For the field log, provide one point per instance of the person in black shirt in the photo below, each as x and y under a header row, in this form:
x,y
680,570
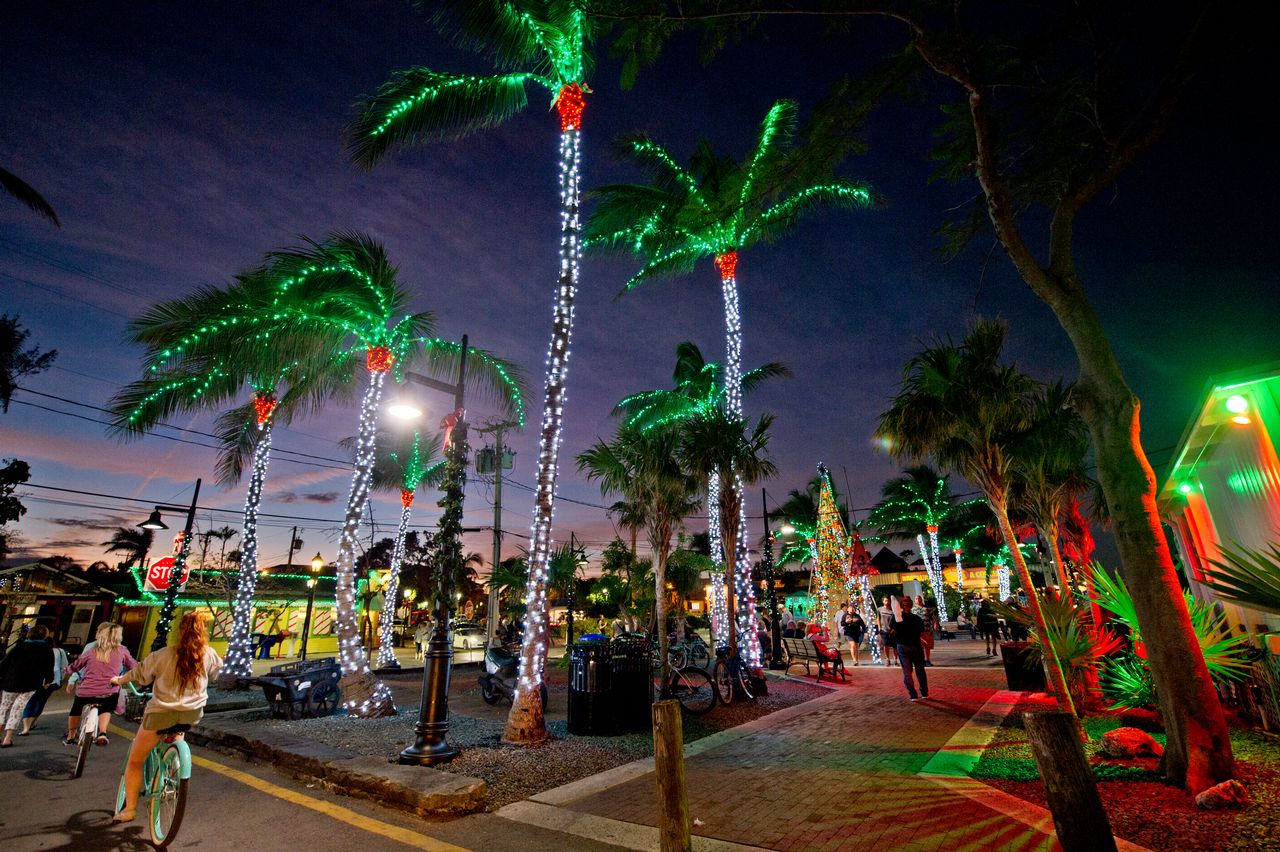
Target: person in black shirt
x,y
905,632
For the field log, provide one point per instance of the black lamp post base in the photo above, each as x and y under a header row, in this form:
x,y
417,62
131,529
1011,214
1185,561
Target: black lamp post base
x,y
424,753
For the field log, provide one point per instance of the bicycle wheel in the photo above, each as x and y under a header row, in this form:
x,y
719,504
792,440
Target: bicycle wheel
x,y
699,655
88,730
692,688
676,658
723,682
744,683
168,798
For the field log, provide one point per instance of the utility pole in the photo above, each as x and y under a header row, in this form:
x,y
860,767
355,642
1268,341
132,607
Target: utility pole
x,y
293,545
499,430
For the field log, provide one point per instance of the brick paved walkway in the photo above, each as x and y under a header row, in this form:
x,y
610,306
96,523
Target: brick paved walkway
x,y
840,776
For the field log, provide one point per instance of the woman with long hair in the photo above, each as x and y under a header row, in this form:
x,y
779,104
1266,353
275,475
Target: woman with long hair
x,y
105,658
179,676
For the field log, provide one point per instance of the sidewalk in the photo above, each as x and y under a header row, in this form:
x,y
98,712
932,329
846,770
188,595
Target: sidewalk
x,y
840,772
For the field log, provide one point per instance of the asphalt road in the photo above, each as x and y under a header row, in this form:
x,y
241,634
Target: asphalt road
x,y
234,804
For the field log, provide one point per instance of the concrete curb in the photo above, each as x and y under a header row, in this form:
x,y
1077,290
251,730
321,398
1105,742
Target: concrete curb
x,y
419,790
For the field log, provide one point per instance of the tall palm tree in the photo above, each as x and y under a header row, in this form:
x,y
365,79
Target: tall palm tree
x,y
544,43
191,370
719,443
699,390
1049,466
133,543
716,208
404,466
921,498
958,405
648,468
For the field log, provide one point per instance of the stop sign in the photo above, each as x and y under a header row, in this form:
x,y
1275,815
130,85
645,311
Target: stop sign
x,y
158,575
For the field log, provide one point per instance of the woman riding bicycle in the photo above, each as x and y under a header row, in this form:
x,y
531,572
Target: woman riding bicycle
x,y
179,677
96,668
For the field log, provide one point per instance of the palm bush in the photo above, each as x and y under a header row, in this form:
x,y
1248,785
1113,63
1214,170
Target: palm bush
x,y
1078,646
1224,654
1249,577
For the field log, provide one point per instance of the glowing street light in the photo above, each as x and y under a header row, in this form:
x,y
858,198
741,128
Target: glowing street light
x,y
1239,407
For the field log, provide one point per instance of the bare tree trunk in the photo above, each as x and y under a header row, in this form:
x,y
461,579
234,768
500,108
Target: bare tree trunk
x,y
662,543
729,531
1052,664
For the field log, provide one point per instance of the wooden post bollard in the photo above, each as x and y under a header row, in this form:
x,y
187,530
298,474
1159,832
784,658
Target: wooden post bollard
x,y
1069,785
668,765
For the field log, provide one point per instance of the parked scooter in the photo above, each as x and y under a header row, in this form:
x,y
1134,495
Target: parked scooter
x,y
499,679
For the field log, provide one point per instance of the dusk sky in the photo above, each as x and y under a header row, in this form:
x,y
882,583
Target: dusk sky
x,y
180,142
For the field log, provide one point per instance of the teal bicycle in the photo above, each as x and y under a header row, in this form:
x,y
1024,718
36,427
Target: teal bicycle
x,y
165,776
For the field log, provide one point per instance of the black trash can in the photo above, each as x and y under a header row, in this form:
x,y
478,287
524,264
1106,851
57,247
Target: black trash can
x,y
1020,675
632,685
590,670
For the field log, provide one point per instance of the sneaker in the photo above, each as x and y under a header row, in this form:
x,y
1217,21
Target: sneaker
x,y
914,699
928,664
924,696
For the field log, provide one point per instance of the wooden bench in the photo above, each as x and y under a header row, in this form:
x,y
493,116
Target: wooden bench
x,y
804,651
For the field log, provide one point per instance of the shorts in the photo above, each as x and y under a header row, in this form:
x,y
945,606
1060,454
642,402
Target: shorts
x,y
158,720
104,703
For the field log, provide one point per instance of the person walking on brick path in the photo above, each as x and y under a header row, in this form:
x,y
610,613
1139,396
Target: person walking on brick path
x,y
24,670
988,626
905,634
886,622
854,629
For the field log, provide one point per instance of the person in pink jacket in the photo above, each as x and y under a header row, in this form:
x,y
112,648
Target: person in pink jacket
x,y
96,667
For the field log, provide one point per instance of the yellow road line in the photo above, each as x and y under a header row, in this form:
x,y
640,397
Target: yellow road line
x,y
338,812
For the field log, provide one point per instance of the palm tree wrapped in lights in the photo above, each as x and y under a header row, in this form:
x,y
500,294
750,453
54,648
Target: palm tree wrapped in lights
x,y
543,43
920,497
716,208
402,468
699,391
199,361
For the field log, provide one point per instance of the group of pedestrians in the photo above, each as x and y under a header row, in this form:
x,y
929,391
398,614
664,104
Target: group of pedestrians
x,y
178,675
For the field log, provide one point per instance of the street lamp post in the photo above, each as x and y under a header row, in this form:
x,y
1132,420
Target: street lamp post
x,y
154,522
429,746
775,632
317,565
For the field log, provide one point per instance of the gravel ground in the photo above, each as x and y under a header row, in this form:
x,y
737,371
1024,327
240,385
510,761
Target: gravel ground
x,y
516,772
1145,810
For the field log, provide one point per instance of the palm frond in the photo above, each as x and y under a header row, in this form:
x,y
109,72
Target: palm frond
x,y
238,437
752,379
489,377
1248,577
421,105
782,217
630,217
26,194
672,263
776,132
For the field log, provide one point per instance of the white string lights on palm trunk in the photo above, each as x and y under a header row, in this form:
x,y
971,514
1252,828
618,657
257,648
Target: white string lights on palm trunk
x,y
387,620
533,653
240,646
351,654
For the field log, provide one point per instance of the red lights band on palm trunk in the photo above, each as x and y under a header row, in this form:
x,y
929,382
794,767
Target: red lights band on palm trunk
x,y
727,263
264,405
379,359
570,104
406,497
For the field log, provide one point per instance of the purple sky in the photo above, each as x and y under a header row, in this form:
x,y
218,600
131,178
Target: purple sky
x,y
180,144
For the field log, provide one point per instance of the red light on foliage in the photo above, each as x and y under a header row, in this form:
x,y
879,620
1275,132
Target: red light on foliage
x,y
379,359
727,263
570,104
931,529
406,497
264,405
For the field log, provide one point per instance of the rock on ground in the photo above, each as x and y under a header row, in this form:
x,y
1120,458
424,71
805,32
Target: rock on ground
x,y
1128,743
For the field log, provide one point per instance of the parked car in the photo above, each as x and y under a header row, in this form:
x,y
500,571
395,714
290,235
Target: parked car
x,y
468,635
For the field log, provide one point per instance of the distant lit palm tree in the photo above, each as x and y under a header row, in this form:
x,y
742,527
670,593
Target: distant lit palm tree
x,y
960,406
133,543
921,500
404,464
539,42
718,443
715,208
699,391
